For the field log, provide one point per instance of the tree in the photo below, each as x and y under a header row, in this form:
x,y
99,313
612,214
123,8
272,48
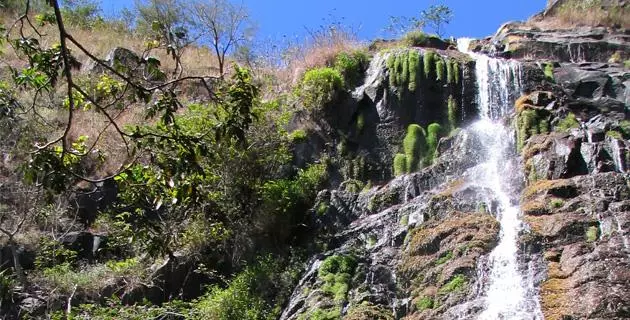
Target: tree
x,y
227,26
437,16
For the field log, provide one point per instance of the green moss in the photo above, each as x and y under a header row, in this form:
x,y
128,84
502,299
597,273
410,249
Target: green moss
x,y
445,258
322,314
391,64
360,123
404,74
614,134
530,122
336,272
456,71
429,62
400,164
592,233
425,303
548,70
456,284
453,113
383,200
450,77
626,64
414,146
556,203
298,135
398,66
322,208
371,240
434,133
414,64
568,123
439,68
320,87
624,127
404,221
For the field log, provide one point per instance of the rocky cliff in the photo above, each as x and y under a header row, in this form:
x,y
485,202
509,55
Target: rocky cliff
x,y
427,244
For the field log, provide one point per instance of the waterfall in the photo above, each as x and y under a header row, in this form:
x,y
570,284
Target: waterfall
x,y
509,292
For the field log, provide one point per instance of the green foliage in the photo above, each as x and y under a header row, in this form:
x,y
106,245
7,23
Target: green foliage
x,y
114,309
456,71
336,273
445,258
352,66
614,134
624,127
434,133
360,123
530,122
82,13
298,135
439,68
425,303
320,314
414,146
7,287
429,63
400,164
450,76
437,16
626,64
287,196
51,253
415,38
592,233
457,283
568,123
548,70
320,87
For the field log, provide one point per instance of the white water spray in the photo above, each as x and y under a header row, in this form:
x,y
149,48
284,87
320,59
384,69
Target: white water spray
x,y
510,294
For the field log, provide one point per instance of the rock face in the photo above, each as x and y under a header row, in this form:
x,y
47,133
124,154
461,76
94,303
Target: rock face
x,y
417,246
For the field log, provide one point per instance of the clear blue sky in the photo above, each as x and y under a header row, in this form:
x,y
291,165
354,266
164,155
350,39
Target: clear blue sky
x,y
277,18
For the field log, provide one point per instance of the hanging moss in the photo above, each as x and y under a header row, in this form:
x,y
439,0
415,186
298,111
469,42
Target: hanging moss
x,y
449,71
391,63
453,113
414,146
434,132
549,71
414,64
404,74
400,164
439,68
429,61
456,71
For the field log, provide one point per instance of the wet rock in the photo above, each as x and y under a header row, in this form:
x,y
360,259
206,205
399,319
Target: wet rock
x,y
86,244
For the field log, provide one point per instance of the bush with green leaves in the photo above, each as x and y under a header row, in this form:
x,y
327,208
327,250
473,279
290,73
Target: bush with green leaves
x,y
336,273
352,66
320,87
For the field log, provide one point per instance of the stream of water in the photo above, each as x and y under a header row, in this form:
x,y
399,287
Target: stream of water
x,y
508,290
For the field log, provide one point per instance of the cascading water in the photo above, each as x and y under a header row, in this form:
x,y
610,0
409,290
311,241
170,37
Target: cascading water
x,y
510,293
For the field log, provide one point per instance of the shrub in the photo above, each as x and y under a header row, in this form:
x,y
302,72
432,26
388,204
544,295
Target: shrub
x,y
415,38
414,146
400,164
320,87
568,123
429,61
352,66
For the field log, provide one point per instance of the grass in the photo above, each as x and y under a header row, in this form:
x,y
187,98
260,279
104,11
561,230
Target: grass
x,y
445,258
425,303
457,283
569,122
573,13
